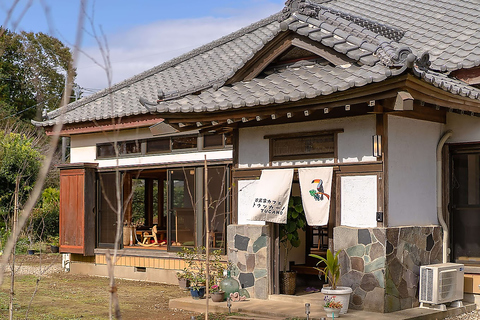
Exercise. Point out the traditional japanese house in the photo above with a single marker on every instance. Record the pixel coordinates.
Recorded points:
(384, 94)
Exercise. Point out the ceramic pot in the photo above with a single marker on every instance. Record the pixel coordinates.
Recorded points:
(218, 296)
(341, 294)
(197, 293)
(331, 312)
(183, 283)
(54, 249)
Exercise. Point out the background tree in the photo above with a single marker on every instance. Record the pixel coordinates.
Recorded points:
(33, 69)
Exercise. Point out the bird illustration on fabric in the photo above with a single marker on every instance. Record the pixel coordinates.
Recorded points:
(318, 195)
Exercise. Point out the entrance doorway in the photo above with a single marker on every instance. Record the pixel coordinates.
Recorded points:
(465, 203)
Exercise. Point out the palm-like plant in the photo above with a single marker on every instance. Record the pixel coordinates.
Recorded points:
(332, 267)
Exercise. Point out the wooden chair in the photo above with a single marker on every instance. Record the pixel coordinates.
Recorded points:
(147, 236)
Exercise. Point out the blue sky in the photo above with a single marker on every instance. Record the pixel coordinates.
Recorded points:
(140, 33)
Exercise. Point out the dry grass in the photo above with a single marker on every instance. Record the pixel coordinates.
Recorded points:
(67, 296)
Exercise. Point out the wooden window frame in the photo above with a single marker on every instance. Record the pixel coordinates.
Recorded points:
(301, 135)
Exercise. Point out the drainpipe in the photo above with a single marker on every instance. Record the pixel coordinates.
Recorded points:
(444, 138)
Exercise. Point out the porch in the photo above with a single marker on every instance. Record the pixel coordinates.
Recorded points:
(285, 307)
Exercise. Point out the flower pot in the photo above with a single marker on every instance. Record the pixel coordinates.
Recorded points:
(288, 282)
(183, 283)
(54, 249)
(331, 312)
(341, 294)
(218, 296)
(197, 293)
(31, 251)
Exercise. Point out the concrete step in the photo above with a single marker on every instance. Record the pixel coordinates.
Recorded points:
(312, 298)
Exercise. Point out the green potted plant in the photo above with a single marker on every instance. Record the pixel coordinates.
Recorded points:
(290, 238)
(332, 274)
(217, 294)
(54, 244)
(183, 279)
(332, 307)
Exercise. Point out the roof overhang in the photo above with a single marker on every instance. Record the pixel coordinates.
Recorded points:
(107, 125)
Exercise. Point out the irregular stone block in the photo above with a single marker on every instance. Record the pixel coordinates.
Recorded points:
(260, 273)
(261, 288)
(260, 243)
(344, 261)
(254, 232)
(380, 276)
(406, 303)
(392, 236)
(345, 237)
(241, 267)
(379, 234)
(391, 289)
(369, 282)
(430, 242)
(402, 289)
(377, 251)
(374, 300)
(364, 236)
(378, 263)
(241, 242)
(356, 251)
(247, 279)
(392, 304)
(250, 259)
(357, 264)
(395, 271)
(410, 278)
(351, 279)
(389, 248)
(261, 258)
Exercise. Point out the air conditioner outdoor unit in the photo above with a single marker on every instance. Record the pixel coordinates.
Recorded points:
(441, 283)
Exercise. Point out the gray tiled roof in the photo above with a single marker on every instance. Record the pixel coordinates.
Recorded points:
(289, 84)
(378, 34)
(448, 29)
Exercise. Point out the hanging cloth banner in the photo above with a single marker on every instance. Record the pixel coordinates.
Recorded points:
(316, 189)
(271, 196)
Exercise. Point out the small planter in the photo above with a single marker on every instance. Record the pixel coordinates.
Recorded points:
(31, 252)
(197, 293)
(183, 283)
(288, 282)
(341, 294)
(54, 249)
(218, 296)
(331, 312)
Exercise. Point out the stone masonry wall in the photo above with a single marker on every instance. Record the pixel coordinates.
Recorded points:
(248, 252)
(382, 265)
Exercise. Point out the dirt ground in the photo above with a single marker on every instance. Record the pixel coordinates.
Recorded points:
(63, 295)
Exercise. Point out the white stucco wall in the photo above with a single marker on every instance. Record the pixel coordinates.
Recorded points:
(412, 171)
(465, 128)
(354, 144)
(83, 149)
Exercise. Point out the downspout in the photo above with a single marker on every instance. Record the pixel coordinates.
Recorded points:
(442, 141)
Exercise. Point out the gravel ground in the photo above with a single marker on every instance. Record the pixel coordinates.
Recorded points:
(466, 316)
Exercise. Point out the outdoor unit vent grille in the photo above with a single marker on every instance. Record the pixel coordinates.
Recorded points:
(441, 283)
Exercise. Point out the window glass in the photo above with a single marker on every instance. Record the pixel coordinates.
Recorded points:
(105, 150)
(308, 147)
(158, 145)
(213, 140)
(182, 215)
(184, 142)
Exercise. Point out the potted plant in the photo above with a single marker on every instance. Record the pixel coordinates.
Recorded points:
(217, 294)
(290, 238)
(332, 273)
(183, 279)
(54, 244)
(332, 308)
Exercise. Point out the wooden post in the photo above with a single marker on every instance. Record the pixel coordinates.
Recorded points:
(207, 233)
